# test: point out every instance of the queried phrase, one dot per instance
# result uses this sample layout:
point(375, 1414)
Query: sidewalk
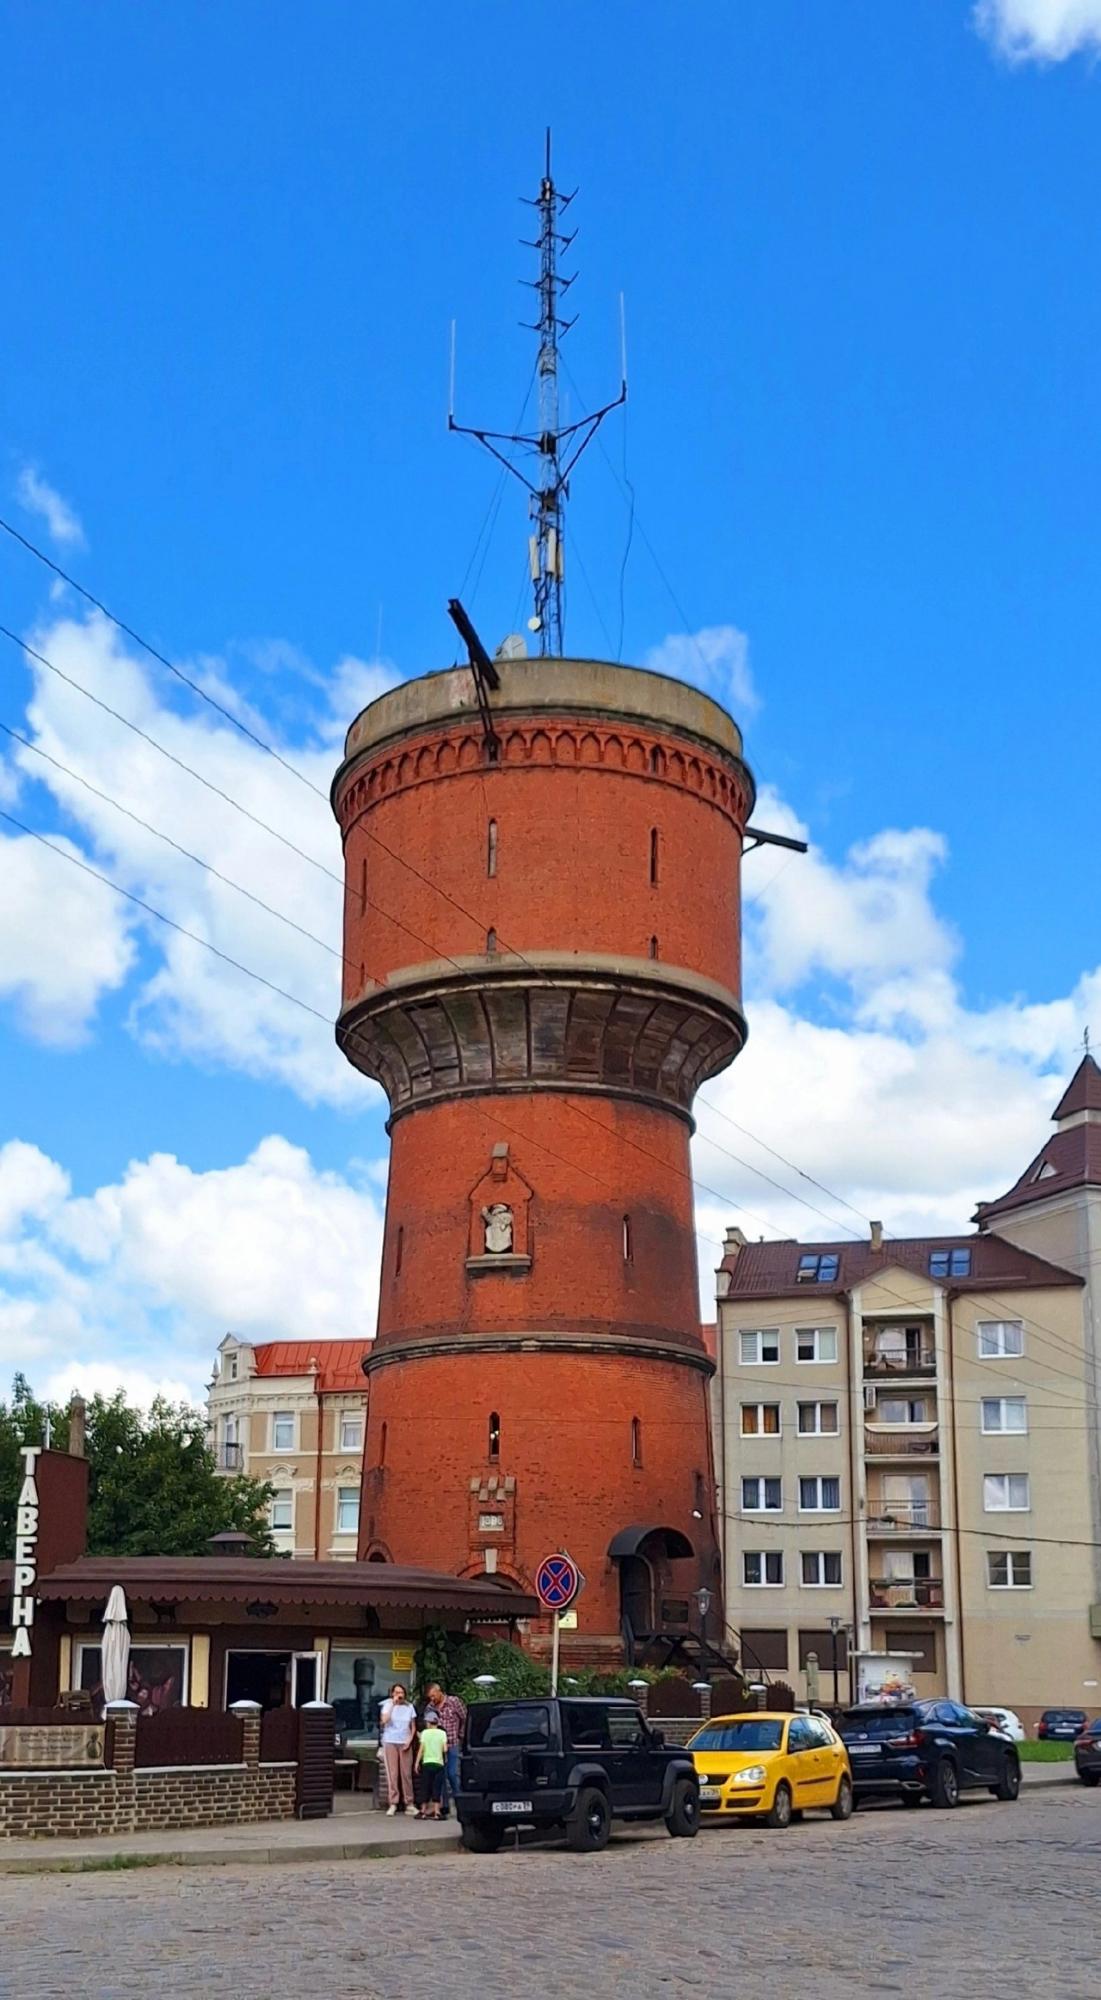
point(355, 1832)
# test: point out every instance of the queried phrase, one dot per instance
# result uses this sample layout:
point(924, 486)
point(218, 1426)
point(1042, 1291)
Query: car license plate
point(863, 1749)
point(511, 1806)
point(710, 1795)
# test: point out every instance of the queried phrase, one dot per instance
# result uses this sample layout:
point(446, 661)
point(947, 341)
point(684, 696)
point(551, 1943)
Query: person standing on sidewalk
point(452, 1713)
point(398, 1722)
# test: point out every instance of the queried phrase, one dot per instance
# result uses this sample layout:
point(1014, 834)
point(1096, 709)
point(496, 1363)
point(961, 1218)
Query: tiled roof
point(1074, 1159)
point(768, 1270)
point(232, 1579)
point(1083, 1092)
point(340, 1362)
point(709, 1333)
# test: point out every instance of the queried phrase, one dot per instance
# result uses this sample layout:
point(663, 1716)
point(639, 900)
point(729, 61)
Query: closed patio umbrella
point(115, 1656)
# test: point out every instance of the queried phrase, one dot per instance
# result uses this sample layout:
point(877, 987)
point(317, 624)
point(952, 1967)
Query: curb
point(121, 1863)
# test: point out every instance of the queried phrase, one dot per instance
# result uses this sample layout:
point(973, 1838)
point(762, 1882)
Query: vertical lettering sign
point(25, 1575)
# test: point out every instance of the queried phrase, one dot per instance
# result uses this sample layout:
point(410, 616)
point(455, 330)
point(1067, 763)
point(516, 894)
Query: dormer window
point(231, 1367)
point(817, 1268)
point(1044, 1172)
point(950, 1263)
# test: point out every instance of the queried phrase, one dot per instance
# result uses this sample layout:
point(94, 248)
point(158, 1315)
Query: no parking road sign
point(557, 1582)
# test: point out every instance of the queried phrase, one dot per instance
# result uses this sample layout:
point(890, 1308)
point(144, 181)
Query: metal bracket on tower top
point(486, 677)
point(758, 838)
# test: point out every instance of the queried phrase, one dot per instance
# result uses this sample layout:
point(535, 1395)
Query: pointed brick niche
point(500, 1225)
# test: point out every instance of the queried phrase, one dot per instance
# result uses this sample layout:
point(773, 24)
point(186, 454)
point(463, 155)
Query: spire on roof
point(1083, 1092)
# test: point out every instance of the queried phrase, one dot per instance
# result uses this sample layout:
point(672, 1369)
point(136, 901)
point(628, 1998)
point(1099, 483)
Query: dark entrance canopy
point(653, 1540)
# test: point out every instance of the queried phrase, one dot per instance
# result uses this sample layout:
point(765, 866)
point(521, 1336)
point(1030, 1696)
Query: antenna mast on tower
point(556, 447)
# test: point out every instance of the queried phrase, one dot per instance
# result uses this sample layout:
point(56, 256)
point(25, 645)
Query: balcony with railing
point(901, 1440)
point(894, 1518)
point(895, 1361)
point(231, 1457)
point(906, 1593)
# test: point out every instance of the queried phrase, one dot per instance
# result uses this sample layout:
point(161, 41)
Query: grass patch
point(1045, 1753)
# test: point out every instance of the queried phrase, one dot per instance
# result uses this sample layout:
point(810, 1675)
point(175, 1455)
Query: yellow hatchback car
point(771, 1767)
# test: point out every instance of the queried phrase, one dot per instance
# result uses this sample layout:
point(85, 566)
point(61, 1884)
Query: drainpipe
point(316, 1369)
point(950, 1300)
point(856, 1438)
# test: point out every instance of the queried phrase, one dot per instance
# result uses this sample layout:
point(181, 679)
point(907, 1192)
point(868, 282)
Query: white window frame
point(1001, 1403)
point(1012, 1557)
point(342, 1493)
point(806, 1403)
point(815, 1333)
point(351, 1417)
point(1006, 1506)
point(764, 1557)
point(281, 1527)
point(759, 1432)
point(1001, 1327)
point(817, 1479)
point(152, 1642)
point(819, 1558)
point(759, 1334)
point(761, 1480)
point(278, 1417)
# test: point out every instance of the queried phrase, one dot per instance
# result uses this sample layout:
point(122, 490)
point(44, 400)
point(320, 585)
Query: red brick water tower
point(542, 966)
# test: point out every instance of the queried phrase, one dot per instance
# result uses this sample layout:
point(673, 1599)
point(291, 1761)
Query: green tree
point(153, 1488)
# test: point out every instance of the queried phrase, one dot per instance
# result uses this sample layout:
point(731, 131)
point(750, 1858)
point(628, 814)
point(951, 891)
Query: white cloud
point(65, 940)
point(135, 1284)
point(716, 658)
point(39, 497)
point(1043, 31)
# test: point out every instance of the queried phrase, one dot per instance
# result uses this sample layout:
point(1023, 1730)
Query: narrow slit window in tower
point(491, 848)
point(363, 888)
point(491, 942)
point(494, 1435)
point(653, 947)
point(636, 1441)
point(653, 854)
point(628, 1248)
point(382, 1448)
point(398, 1248)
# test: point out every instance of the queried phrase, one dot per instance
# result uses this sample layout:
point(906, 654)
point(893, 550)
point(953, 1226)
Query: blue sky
point(857, 249)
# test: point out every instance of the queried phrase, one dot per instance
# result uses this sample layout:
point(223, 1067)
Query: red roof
point(1083, 1092)
point(709, 1334)
point(1072, 1156)
point(339, 1362)
point(768, 1270)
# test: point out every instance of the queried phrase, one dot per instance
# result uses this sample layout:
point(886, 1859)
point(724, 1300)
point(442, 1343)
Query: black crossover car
point(1087, 1753)
point(1061, 1725)
point(570, 1766)
point(927, 1750)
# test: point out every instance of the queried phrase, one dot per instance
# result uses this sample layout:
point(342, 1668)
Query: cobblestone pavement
point(990, 1901)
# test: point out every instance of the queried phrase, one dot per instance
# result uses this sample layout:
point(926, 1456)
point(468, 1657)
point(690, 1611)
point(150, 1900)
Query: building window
point(491, 942)
point(821, 1568)
point(949, 1263)
point(817, 1267)
point(282, 1430)
point(653, 947)
point(923, 1644)
point(1004, 1413)
point(819, 1495)
point(351, 1430)
point(382, 1448)
point(816, 1343)
point(1005, 1493)
point(901, 1410)
point(653, 854)
point(820, 1643)
point(757, 1348)
point(494, 1435)
point(347, 1510)
point(764, 1649)
point(762, 1496)
point(399, 1249)
point(1000, 1339)
point(281, 1511)
point(491, 848)
point(760, 1420)
point(636, 1441)
point(762, 1568)
point(817, 1420)
point(231, 1365)
point(1009, 1569)
point(628, 1240)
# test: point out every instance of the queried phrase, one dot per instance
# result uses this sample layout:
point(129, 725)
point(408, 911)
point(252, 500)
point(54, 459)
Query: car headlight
point(754, 1774)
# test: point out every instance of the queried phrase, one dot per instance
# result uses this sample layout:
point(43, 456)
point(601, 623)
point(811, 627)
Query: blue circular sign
point(557, 1581)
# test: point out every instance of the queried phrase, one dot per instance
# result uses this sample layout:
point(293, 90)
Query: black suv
point(569, 1765)
point(927, 1750)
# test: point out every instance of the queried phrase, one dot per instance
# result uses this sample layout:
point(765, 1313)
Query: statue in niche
point(497, 1219)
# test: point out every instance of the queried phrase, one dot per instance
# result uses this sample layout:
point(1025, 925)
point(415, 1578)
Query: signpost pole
point(554, 1656)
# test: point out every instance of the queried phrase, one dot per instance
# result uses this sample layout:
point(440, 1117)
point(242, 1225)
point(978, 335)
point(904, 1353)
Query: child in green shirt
point(431, 1760)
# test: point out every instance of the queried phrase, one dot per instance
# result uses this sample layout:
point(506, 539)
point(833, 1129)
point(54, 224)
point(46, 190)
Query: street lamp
point(485, 1680)
point(835, 1627)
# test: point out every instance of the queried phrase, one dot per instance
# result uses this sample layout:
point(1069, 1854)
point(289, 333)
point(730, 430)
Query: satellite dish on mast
point(513, 646)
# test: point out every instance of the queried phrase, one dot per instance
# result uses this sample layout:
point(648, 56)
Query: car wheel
point(482, 1836)
point(779, 1812)
point(1009, 1784)
point(590, 1824)
point(945, 1788)
point(842, 1807)
point(1089, 1777)
point(683, 1817)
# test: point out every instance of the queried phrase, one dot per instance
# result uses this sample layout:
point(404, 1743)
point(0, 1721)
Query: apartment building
point(293, 1413)
point(907, 1441)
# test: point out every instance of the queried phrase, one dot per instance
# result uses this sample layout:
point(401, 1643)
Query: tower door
point(636, 1594)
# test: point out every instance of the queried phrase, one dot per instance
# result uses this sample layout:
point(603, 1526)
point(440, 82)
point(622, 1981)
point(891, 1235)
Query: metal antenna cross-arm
point(486, 677)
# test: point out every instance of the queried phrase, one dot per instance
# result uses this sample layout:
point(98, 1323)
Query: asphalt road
point(991, 1902)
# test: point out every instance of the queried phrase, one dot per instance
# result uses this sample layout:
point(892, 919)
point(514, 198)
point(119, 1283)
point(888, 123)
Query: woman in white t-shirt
point(398, 1724)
